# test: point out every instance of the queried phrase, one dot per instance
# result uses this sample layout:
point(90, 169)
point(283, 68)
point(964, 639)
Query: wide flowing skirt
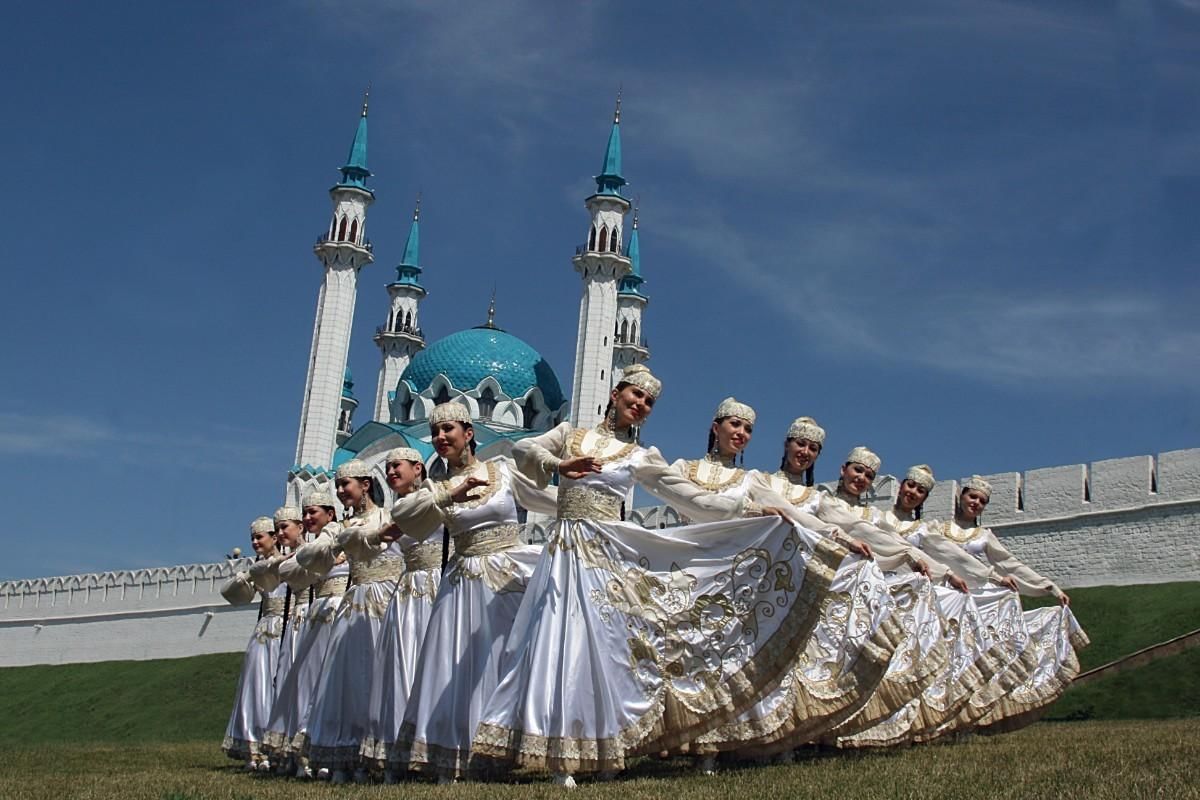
point(472, 618)
point(255, 692)
point(289, 643)
point(1054, 636)
point(293, 697)
point(396, 658)
point(630, 639)
point(973, 661)
point(832, 677)
point(337, 721)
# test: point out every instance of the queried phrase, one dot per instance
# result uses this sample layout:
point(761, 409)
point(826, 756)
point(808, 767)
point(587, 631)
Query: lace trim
point(580, 502)
point(333, 587)
point(427, 555)
point(495, 539)
point(242, 749)
point(575, 448)
point(949, 528)
point(343, 757)
point(482, 493)
point(386, 568)
point(718, 483)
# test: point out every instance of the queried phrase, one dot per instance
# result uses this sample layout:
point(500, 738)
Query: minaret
point(401, 338)
point(346, 406)
point(602, 263)
point(630, 344)
point(342, 250)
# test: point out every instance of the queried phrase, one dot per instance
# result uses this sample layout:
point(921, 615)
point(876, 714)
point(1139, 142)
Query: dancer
point(338, 717)
point(404, 622)
point(630, 640)
point(479, 595)
point(289, 536)
point(289, 716)
point(973, 660)
point(255, 688)
point(1045, 649)
point(828, 683)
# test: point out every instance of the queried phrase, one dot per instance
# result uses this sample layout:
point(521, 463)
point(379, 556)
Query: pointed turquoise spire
point(408, 271)
point(632, 283)
point(348, 384)
point(609, 181)
point(355, 172)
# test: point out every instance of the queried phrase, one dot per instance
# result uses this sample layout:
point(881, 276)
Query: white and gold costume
point(474, 610)
point(630, 640)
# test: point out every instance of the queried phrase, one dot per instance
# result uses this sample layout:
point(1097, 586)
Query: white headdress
point(354, 468)
point(449, 412)
point(806, 428)
point(318, 498)
point(978, 484)
point(288, 512)
point(262, 525)
point(403, 454)
point(732, 408)
point(921, 475)
point(639, 375)
point(861, 455)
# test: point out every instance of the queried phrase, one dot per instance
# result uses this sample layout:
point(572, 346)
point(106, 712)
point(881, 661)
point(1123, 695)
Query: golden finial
point(491, 320)
point(417, 208)
point(366, 97)
point(617, 113)
point(637, 202)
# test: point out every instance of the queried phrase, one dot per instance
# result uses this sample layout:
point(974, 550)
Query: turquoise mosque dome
point(468, 357)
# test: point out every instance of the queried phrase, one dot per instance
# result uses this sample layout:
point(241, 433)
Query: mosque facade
point(510, 391)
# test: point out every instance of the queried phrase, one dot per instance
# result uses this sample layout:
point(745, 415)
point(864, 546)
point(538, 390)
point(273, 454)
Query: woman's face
point(911, 495)
point(733, 434)
point(800, 454)
point(316, 518)
point(857, 478)
point(288, 533)
point(632, 405)
point(972, 502)
point(403, 475)
point(262, 542)
point(450, 439)
point(351, 491)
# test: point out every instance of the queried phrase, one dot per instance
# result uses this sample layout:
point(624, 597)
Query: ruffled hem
point(341, 757)
point(421, 756)
point(242, 749)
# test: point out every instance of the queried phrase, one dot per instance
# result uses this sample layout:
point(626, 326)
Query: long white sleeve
point(420, 514)
point(360, 537)
point(264, 574)
point(1028, 581)
point(238, 591)
point(530, 495)
point(891, 552)
point(320, 554)
point(296, 576)
point(538, 456)
point(657, 477)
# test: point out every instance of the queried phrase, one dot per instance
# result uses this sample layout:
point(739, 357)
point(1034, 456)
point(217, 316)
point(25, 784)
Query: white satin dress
point(474, 610)
point(631, 640)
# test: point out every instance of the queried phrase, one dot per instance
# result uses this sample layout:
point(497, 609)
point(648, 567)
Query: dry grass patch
point(1090, 759)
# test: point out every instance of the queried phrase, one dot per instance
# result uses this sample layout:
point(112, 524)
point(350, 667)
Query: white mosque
point(508, 387)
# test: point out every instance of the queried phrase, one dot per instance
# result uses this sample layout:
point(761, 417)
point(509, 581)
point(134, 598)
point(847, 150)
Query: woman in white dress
point(853, 642)
point(1043, 641)
point(289, 536)
point(459, 668)
point(404, 622)
point(289, 716)
point(922, 654)
point(630, 640)
point(973, 657)
point(338, 718)
point(255, 688)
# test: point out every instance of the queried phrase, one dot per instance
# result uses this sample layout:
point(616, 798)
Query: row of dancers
point(779, 615)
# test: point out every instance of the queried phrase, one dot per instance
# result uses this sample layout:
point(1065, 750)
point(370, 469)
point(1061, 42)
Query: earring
point(465, 458)
point(610, 417)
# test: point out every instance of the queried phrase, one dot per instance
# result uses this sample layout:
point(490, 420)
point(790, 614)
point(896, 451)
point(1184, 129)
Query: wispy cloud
point(82, 438)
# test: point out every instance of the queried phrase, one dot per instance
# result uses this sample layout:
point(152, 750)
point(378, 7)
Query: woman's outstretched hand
point(578, 467)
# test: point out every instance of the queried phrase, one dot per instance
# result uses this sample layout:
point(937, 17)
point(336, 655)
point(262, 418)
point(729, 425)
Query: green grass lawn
point(1097, 760)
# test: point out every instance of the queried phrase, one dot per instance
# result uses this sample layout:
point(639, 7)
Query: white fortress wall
point(168, 612)
point(1119, 521)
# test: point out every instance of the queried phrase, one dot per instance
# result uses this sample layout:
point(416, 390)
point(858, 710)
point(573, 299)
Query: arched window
point(354, 232)
point(487, 402)
point(528, 415)
point(341, 234)
point(442, 396)
point(408, 319)
point(403, 408)
point(624, 335)
point(633, 334)
point(614, 243)
point(603, 239)
point(592, 238)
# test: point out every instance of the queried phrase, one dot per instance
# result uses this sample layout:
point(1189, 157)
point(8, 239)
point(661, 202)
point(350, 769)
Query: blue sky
point(961, 232)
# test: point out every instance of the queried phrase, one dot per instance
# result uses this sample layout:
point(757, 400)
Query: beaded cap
point(730, 407)
point(318, 498)
point(978, 484)
point(861, 455)
point(921, 475)
point(262, 525)
point(288, 513)
point(639, 375)
point(354, 468)
point(403, 454)
point(449, 412)
point(806, 428)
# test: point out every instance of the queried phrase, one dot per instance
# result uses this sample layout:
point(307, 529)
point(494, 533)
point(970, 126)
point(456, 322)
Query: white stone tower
point(343, 250)
point(602, 263)
point(631, 345)
point(401, 338)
